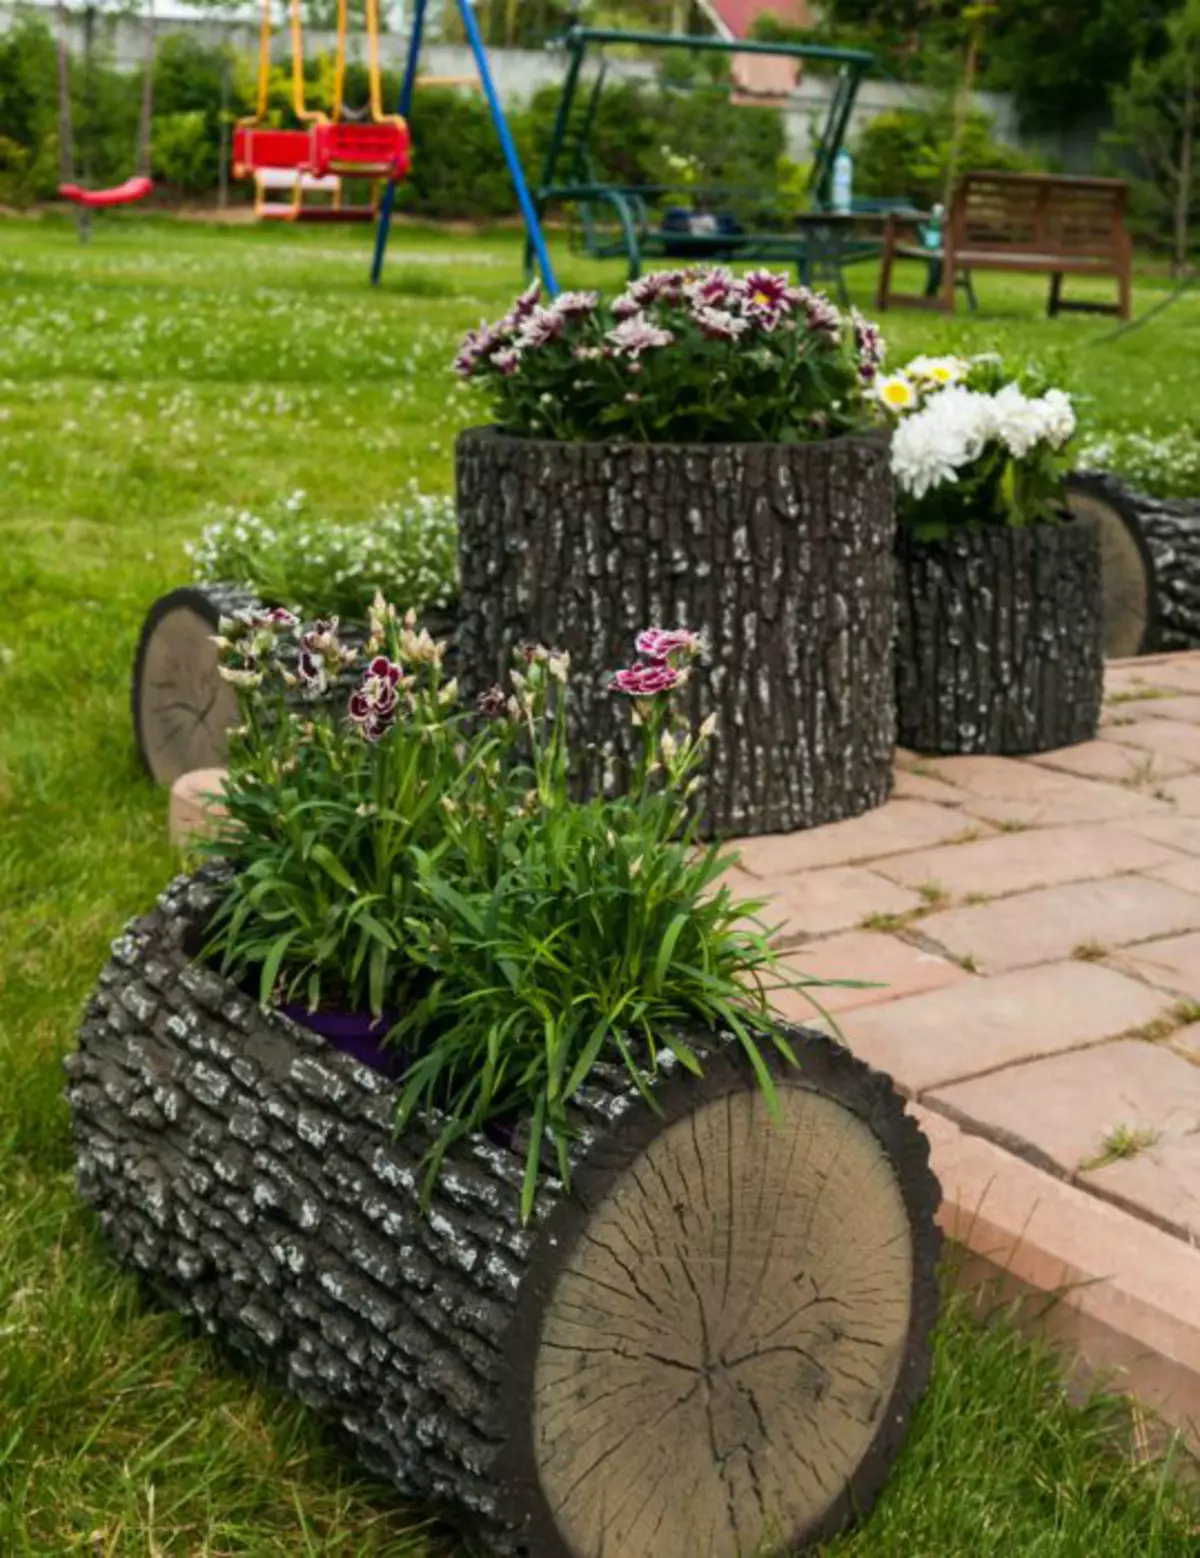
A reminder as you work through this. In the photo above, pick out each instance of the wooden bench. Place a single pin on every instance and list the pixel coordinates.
(1033, 222)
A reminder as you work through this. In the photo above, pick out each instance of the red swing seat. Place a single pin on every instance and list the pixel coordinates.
(120, 195)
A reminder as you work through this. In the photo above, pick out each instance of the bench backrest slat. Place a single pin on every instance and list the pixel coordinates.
(1042, 214)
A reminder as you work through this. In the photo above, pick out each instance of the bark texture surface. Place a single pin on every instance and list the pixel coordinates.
(182, 710)
(1171, 530)
(717, 1338)
(1000, 641)
(780, 556)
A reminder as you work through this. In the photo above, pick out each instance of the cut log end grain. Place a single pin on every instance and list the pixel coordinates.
(721, 1345)
(181, 707)
(711, 1344)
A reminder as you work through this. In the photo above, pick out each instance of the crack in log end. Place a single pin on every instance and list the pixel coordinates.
(785, 1401)
(780, 556)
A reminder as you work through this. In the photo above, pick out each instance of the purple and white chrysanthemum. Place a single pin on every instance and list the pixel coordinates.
(718, 324)
(625, 308)
(539, 327)
(506, 361)
(872, 348)
(712, 289)
(575, 305)
(522, 308)
(660, 286)
(477, 344)
(637, 334)
(766, 292)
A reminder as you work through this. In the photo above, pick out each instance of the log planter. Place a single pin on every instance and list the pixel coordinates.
(1000, 639)
(781, 556)
(182, 710)
(713, 1343)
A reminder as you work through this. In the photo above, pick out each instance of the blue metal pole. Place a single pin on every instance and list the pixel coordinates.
(403, 108)
(533, 226)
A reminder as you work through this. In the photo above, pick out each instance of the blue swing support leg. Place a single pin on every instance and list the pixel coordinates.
(533, 227)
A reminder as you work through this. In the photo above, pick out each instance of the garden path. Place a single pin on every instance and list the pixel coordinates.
(1033, 927)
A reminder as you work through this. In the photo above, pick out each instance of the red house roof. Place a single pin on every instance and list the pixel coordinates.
(739, 16)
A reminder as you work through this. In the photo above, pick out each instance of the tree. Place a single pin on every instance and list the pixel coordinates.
(1158, 120)
(1058, 58)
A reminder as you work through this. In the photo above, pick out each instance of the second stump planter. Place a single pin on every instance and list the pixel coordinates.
(780, 555)
(1000, 639)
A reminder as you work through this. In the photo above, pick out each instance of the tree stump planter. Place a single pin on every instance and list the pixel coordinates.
(1000, 641)
(713, 1343)
(182, 710)
(781, 556)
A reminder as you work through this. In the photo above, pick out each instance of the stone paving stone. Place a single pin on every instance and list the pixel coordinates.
(929, 1041)
(1123, 1291)
(1161, 1183)
(1172, 963)
(816, 903)
(893, 829)
(890, 967)
(920, 787)
(1183, 873)
(1164, 737)
(1186, 1042)
(1115, 764)
(1049, 923)
(1176, 705)
(1179, 833)
(1184, 795)
(1038, 857)
(1169, 672)
(1003, 790)
(1059, 1111)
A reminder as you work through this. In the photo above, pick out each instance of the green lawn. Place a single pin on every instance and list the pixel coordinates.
(162, 372)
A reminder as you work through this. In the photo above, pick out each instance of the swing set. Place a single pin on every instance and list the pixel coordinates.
(139, 185)
(366, 144)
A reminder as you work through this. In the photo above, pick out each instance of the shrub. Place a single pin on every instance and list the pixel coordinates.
(908, 153)
(294, 558)
(1165, 465)
(419, 859)
(975, 444)
(184, 153)
(681, 357)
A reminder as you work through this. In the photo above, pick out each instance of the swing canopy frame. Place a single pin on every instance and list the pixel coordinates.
(610, 220)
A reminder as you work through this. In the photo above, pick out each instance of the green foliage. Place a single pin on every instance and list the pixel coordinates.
(414, 859)
(294, 557)
(183, 153)
(681, 357)
(909, 152)
(1158, 123)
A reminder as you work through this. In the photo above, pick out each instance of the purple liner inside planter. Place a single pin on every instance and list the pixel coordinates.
(356, 1034)
(361, 1036)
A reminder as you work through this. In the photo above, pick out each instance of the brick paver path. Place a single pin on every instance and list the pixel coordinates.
(1026, 938)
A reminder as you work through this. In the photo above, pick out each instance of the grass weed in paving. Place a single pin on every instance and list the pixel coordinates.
(161, 373)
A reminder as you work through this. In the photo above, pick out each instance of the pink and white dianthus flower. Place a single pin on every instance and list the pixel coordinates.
(646, 681)
(659, 644)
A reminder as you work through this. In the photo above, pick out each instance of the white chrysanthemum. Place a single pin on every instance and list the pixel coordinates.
(933, 445)
(1058, 418)
(897, 392)
(939, 370)
(1020, 422)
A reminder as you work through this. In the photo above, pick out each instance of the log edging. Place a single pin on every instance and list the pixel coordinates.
(251, 1173)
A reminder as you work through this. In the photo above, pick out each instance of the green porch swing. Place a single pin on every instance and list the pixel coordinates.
(635, 223)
